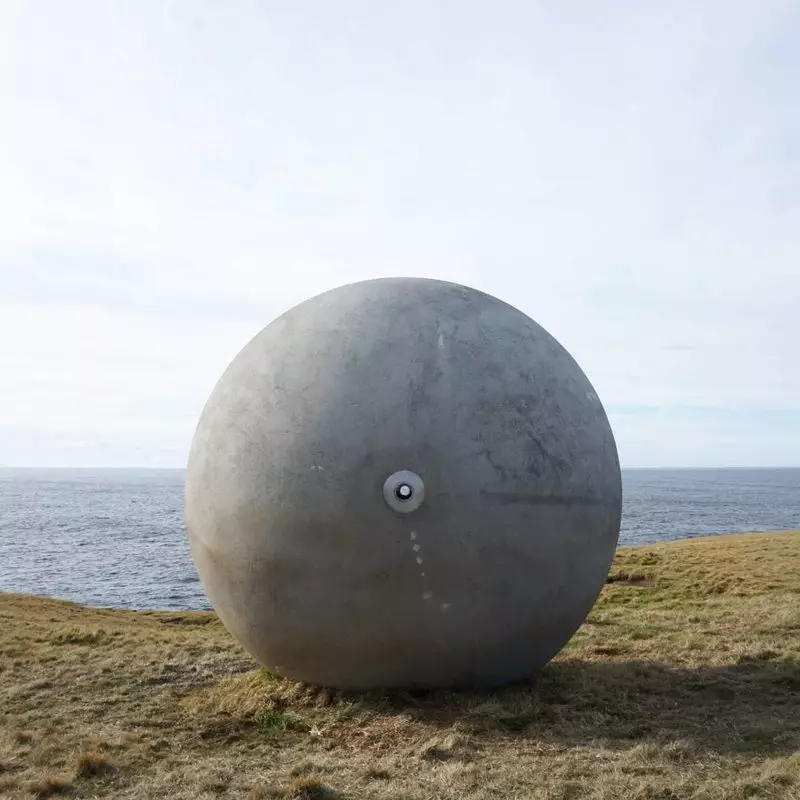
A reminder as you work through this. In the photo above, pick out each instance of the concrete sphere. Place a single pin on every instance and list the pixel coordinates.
(403, 482)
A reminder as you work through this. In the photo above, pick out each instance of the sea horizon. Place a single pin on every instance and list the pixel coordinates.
(624, 468)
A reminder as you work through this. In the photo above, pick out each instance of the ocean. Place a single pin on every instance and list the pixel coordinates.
(116, 538)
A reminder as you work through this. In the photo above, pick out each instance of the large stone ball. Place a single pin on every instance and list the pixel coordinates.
(403, 482)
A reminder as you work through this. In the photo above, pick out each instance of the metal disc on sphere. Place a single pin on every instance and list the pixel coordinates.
(403, 482)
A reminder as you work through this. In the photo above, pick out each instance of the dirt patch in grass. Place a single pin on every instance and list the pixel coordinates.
(683, 683)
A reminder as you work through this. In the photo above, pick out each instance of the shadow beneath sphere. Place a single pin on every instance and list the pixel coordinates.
(751, 706)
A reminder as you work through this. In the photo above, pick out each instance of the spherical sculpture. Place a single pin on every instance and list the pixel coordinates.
(403, 482)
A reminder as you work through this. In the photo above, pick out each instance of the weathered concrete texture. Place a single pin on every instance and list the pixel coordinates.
(298, 550)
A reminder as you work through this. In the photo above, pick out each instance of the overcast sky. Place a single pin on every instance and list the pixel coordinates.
(173, 175)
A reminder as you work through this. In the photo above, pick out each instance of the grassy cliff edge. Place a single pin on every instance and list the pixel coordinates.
(683, 683)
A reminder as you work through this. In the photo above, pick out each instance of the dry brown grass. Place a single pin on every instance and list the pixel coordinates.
(683, 683)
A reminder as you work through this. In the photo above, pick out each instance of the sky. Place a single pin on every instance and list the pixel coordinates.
(176, 174)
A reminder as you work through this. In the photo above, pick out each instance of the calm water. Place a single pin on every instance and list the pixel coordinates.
(116, 538)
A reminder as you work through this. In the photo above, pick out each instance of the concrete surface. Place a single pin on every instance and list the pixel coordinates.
(299, 551)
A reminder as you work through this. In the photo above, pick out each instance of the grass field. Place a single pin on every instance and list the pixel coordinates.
(683, 683)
